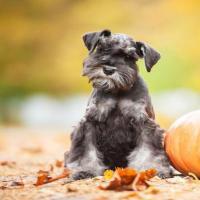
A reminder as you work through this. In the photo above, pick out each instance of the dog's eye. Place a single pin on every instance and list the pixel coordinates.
(103, 50)
(123, 55)
(118, 52)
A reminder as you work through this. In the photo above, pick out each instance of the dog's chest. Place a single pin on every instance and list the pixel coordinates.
(115, 139)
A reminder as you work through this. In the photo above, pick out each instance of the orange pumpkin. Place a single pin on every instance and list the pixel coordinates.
(182, 143)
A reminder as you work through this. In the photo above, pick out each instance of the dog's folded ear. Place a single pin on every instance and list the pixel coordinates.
(150, 55)
(91, 39)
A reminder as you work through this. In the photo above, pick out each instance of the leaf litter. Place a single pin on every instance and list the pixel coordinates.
(16, 163)
(44, 177)
(127, 179)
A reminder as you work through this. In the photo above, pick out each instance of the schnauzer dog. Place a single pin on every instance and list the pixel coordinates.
(118, 129)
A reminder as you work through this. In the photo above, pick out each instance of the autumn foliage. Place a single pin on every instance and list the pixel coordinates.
(44, 177)
(127, 178)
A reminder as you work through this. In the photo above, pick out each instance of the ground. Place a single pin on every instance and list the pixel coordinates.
(23, 154)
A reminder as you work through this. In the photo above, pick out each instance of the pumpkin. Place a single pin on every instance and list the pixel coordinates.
(182, 143)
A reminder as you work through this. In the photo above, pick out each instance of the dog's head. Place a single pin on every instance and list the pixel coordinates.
(111, 64)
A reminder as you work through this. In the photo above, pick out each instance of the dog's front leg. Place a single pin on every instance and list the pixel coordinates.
(83, 159)
(150, 153)
(99, 107)
(134, 111)
(145, 157)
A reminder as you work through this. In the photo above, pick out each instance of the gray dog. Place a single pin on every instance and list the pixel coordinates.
(118, 129)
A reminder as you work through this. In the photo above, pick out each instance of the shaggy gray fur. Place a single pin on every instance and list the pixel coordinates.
(118, 129)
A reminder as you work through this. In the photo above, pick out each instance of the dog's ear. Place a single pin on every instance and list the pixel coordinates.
(91, 39)
(150, 55)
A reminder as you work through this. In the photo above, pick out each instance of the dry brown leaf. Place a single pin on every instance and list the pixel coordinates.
(139, 182)
(17, 183)
(113, 184)
(142, 177)
(3, 187)
(59, 163)
(147, 174)
(129, 179)
(120, 177)
(65, 173)
(135, 182)
(71, 188)
(7, 163)
(127, 175)
(44, 177)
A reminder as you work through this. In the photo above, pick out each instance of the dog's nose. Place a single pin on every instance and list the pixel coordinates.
(108, 71)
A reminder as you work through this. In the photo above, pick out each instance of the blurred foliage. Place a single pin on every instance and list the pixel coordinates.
(41, 48)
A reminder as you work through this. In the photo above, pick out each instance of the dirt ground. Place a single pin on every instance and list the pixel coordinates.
(23, 154)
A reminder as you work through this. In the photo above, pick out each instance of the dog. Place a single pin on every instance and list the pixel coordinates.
(118, 128)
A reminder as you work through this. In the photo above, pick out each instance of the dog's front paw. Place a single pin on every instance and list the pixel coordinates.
(164, 175)
(168, 172)
(81, 175)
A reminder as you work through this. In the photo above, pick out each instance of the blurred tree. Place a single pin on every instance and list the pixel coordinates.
(41, 48)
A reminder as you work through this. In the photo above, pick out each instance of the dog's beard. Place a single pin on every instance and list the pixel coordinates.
(105, 84)
(119, 80)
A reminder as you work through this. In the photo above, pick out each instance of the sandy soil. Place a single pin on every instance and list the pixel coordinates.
(23, 154)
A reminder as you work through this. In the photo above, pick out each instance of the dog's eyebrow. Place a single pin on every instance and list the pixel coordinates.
(106, 50)
(132, 43)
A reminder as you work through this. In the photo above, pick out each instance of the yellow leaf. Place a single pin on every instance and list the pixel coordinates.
(108, 174)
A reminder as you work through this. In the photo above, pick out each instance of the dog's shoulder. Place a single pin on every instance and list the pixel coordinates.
(139, 90)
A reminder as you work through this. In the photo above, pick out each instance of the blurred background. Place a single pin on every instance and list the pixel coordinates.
(41, 54)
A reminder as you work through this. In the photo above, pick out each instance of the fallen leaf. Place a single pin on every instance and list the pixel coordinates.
(7, 163)
(127, 175)
(71, 188)
(108, 174)
(17, 183)
(44, 177)
(135, 182)
(59, 163)
(147, 174)
(65, 173)
(120, 177)
(139, 182)
(113, 184)
(127, 179)
(3, 187)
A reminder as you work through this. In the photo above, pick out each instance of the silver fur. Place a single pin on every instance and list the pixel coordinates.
(118, 129)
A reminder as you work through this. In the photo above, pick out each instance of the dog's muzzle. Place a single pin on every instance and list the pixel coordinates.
(108, 70)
